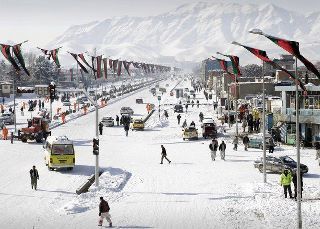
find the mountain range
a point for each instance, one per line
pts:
(193, 32)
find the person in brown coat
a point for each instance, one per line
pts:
(104, 212)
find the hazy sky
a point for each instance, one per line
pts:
(42, 20)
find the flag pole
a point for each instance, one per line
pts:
(264, 126)
(299, 223)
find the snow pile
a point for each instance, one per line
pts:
(111, 181)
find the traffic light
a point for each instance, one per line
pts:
(95, 146)
(52, 91)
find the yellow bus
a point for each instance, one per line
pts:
(59, 153)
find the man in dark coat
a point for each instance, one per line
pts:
(104, 212)
(34, 175)
(178, 117)
(164, 155)
(117, 120)
(126, 128)
(222, 149)
(295, 184)
(100, 128)
(245, 141)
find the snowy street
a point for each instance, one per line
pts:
(191, 192)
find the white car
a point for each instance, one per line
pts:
(7, 118)
(126, 110)
(107, 121)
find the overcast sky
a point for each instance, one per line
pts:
(42, 20)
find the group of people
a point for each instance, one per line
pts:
(214, 147)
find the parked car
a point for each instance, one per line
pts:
(107, 121)
(192, 92)
(208, 128)
(278, 164)
(153, 90)
(190, 133)
(66, 103)
(137, 124)
(7, 118)
(139, 101)
(126, 110)
(256, 141)
(178, 108)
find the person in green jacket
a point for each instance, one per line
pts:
(285, 181)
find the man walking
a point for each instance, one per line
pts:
(34, 175)
(178, 117)
(245, 142)
(213, 148)
(117, 120)
(100, 128)
(285, 181)
(222, 149)
(104, 212)
(164, 155)
(126, 128)
(271, 145)
(235, 143)
(295, 183)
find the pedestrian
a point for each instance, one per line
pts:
(186, 107)
(184, 124)
(201, 116)
(213, 149)
(164, 155)
(222, 149)
(104, 212)
(295, 183)
(317, 147)
(285, 181)
(42, 104)
(178, 117)
(100, 128)
(244, 125)
(215, 105)
(271, 145)
(117, 120)
(166, 114)
(34, 175)
(192, 124)
(198, 103)
(245, 141)
(39, 104)
(5, 133)
(235, 143)
(126, 128)
(192, 103)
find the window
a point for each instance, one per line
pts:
(62, 149)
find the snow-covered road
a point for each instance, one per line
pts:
(191, 192)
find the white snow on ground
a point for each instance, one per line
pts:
(191, 192)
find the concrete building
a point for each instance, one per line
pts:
(309, 113)
(6, 89)
(285, 61)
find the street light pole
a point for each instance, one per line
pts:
(264, 127)
(299, 223)
(236, 104)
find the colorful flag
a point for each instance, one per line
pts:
(75, 56)
(99, 62)
(293, 48)
(105, 67)
(17, 52)
(262, 55)
(119, 68)
(5, 49)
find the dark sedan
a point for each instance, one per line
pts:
(278, 164)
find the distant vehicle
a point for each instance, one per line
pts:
(153, 90)
(80, 101)
(163, 90)
(59, 153)
(107, 121)
(84, 99)
(192, 92)
(278, 164)
(167, 85)
(139, 101)
(208, 128)
(256, 141)
(190, 133)
(178, 108)
(126, 110)
(66, 103)
(7, 118)
(38, 130)
(137, 124)
(92, 93)
(186, 89)
(157, 85)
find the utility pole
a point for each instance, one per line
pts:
(97, 131)
(14, 101)
(264, 127)
(299, 223)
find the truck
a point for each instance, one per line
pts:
(38, 129)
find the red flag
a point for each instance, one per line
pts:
(119, 68)
(75, 56)
(99, 59)
(105, 67)
(5, 49)
(85, 62)
(18, 54)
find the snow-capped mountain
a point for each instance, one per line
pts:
(193, 32)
